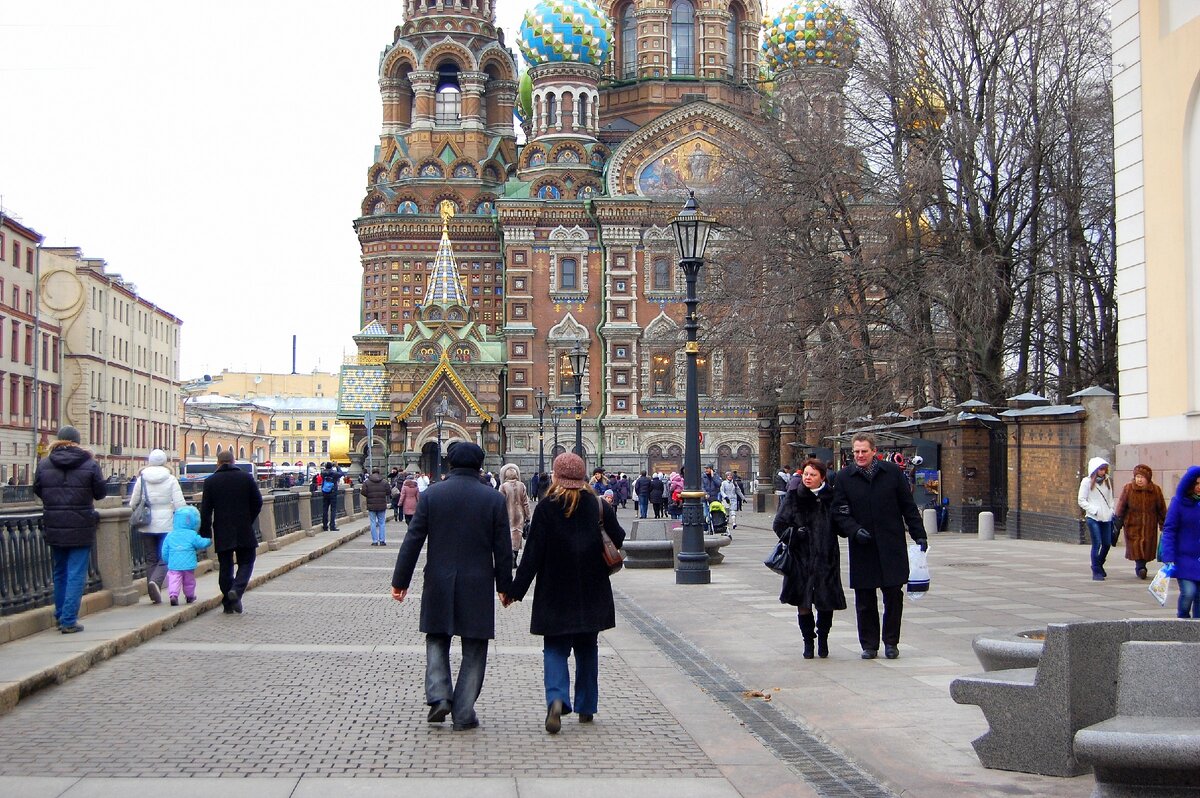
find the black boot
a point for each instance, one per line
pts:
(807, 631)
(824, 621)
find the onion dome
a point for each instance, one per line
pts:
(809, 33)
(564, 30)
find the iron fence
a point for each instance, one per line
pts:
(340, 506)
(27, 567)
(287, 513)
(316, 509)
(357, 500)
(17, 493)
(137, 554)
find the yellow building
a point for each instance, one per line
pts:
(213, 424)
(253, 384)
(300, 429)
(1156, 75)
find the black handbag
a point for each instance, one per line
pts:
(780, 561)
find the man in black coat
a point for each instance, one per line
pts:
(68, 481)
(469, 557)
(641, 489)
(331, 477)
(872, 506)
(230, 503)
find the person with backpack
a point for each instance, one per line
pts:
(641, 489)
(329, 478)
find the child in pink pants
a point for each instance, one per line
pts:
(179, 553)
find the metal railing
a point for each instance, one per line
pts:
(13, 494)
(316, 508)
(287, 513)
(27, 567)
(356, 500)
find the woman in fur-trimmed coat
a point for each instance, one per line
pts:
(1142, 510)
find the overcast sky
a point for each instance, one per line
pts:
(213, 154)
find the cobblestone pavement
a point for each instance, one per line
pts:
(323, 676)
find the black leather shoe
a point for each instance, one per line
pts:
(554, 716)
(891, 652)
(584, 717)
(439, 711)
(473, 724)
(870, 653)
(233, 601)
(72, 629)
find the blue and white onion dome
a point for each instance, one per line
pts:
(564, 30)
(809, 33)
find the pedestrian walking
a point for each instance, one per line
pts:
(599, 482)
(731, 497)
(159, 487)
(466, 525)
(872, 505)
(737, 480)
(641, 489)
(573, 599)
(710, 483)
(657, 495)
(805, 519)
(516, 500)
(422, 482)
(68, 481)
(410, 492)
(1141, 511)
(1096, 500)
(1181, 542)
(330, 479)
(228, 507)
(179, 551)
(378, 494)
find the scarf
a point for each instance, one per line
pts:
(869, 471)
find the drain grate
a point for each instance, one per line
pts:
(828, 771)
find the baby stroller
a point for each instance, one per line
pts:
(718, 519)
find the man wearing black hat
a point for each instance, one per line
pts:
(469, 557)
(68, 481)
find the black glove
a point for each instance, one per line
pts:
(862, 536)
(924, 544)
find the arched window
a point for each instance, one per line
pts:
(731, 42)
(551, 110)
(242, 453)
(583, 110)
(192, 449)
(568, 274)
(218, 448)
(660, 279)
(448, 104)
(683, 38)
(628, 43)
(206, 452)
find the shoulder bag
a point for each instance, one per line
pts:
(780, 560)
(139, 518)
(614, 558)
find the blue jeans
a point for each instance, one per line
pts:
(643, 506)
(557, 678)
(1189, 598)
(70, 576)
(1101, 532)
(378, 525)
(465, 690)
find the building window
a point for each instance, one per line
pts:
(660, 279)
(287, 425)
(683, 37)
(285, 446)
(324, 447)
(272, 425)
(312, 447)
(324, 426)
(568, 274)
(206, 451)
(662, 374)
(566, 377)
(703, 373)
(583, 112)
(551, 110)
(312, 425)
(449, 98)
(628, 43)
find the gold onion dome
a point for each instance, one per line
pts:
(809, 33)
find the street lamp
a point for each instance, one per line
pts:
(578, 358)
(554, 418)
(539, 399)
(439, 417)
(691, 236)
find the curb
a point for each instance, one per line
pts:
(80, 662)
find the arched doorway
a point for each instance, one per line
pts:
(730, 460)
(429, 459)
(658, 461)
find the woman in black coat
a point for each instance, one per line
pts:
(657, 495)
(573, 600)
(817, 580)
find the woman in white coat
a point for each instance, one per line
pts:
(162, 490)
(1096, 501)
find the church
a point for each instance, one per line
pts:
(486, 260)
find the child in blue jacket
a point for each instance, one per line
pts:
(179, 553)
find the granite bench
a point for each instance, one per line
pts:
(1034, 713)
(1151, 747)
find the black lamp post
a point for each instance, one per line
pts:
(439, 417)
(578, 358)
(539, 400)
(554, 418)
(691, 236)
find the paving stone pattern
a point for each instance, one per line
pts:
(217, 696)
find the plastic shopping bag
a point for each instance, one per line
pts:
(918, 572)
(1160, 584)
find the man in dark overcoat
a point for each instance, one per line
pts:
(230, 503)
(872, 505)
(468, 561)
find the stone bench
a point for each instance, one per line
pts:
(1151, 747)
(1034, 713)
(654, 543)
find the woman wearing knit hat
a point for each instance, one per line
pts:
(573, 600)
(161, 489)
(1142, 511)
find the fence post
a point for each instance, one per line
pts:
(347, 501)
(266, 522)
(304, 495)
(113, 556)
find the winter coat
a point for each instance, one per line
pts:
(378, 493)
(711, 485)
(180, 545)
(469, 558)
(882, 505)
(573, 594)
(164, 494)
(656, 490)
(228, 507)
(1142, 511)
(333, 475)
(1096, 500)
(675, 482)
(409, 494)
(68, 481)
(516, 500)
(817, 581)
(1181, 531)
(730, 493)
(621, 492)
(642, 487)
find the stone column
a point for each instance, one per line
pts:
(788, 417)
(266, 523)
(113, 555)
(472, 116)
(766, 433)
(424, 86)
(505, 94)
(305, 496)
(654, 39)
(712, 26)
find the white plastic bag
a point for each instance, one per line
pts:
(1160, 584)
(918, 572)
